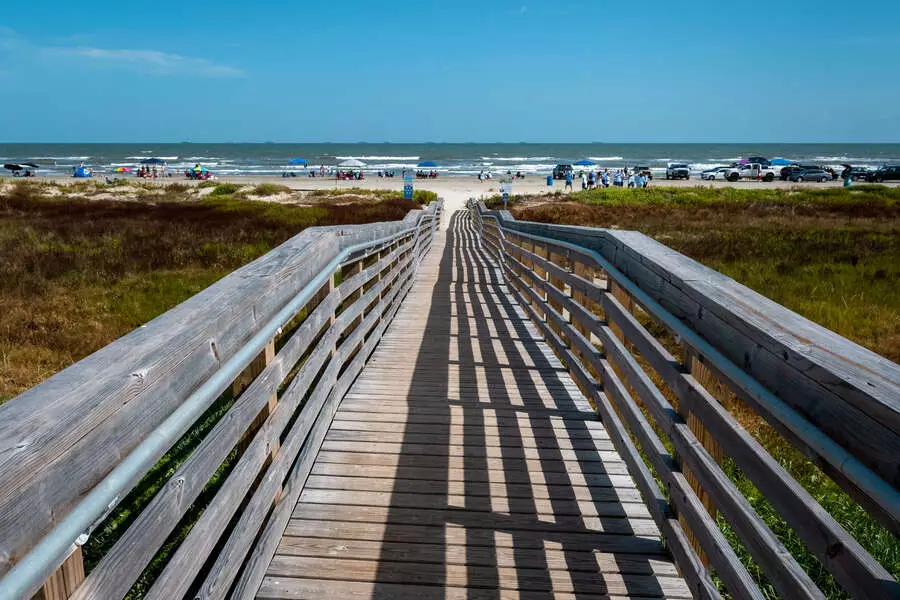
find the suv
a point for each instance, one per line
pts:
(788, 173)
(859, 173)
(678, 171)
(560, 171)
(811, 174)
(884, 174)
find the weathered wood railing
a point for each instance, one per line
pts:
(274, 346)
(671, 353)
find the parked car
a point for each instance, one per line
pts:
(714, 173)
(811, 174)
(559, 171)
(859, 173)
(787, 172)
(885, 173)
(678, 171)
(644, 172)
(750, 171)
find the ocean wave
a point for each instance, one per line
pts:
(59, 157)
(377, 157)
(599, 158)
(146, 157)
(517, 158)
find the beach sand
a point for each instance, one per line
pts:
(456, 190)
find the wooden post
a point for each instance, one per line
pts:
(63, 583)
(560, 261)
(694, 365)
(244, 380)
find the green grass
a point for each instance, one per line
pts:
(80, 272)
(832, 255)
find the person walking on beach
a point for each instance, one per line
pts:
(606, 178)
(569, 181)
(583, 181)
(630, 179)
(617, 179)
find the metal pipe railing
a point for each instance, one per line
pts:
(27, 575)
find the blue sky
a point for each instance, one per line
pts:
(495, 70)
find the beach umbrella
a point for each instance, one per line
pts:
(199, 169)
(427, 163)
(352, 162)
(298, 161)
(153, 161)
(743, 161)
(123, 170)
(585, 163)
(780, 162)
(12, 167)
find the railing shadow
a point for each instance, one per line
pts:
(515, 507)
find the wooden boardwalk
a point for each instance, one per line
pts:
(465, 463)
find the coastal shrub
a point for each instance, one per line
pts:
(225, 189)
(424, 197)
(270, 189)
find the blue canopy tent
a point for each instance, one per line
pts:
(427, 163)
(82, 172)
(585, 163)
(781, 162)
(299, 161)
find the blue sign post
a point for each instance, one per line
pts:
(408, 184)
(505, 189)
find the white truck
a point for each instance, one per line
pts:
(751, 171)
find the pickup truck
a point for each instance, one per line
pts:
(750, 171)
(678, 171)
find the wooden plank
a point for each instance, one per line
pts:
(625, 545)
(547, 465)
(277, 588)
(476, 475)
(459, 576)
(518, 439)
(552, 506)
(586, 493)
(477, 519)
(551, 558)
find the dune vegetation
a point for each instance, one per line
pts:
(85, 263)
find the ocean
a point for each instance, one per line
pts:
(452, 159)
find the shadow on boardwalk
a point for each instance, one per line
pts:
(464, 463)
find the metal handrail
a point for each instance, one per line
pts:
(27, 575)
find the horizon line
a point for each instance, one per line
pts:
(469, 143)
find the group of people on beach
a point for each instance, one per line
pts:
(146, 172)
(620, 178)
(426, 174)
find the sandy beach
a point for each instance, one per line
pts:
(454, 190)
